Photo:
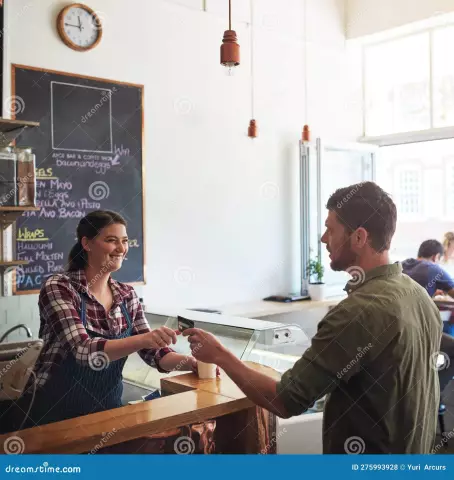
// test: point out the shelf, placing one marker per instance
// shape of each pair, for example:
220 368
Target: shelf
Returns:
18 209
7 125
8 215
13 263
11 129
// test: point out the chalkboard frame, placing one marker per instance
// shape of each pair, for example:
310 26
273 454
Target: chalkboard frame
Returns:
141 87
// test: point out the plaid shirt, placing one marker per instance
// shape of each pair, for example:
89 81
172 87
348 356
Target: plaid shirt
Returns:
64 333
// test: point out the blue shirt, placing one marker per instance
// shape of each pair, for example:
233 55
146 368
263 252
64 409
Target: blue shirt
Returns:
428 274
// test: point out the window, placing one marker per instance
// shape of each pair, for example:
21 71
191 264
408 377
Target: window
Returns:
420 178
409 188
450 188
409 83
397 85
331 167
443 77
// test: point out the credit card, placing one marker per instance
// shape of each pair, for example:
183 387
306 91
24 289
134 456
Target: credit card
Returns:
184 323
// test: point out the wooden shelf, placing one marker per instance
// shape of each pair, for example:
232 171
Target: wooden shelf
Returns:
7 125
11 129
19 209
13 263
8 215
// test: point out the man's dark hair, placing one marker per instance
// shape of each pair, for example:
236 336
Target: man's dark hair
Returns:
430 248
368 206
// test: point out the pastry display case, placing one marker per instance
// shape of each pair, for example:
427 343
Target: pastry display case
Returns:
271 344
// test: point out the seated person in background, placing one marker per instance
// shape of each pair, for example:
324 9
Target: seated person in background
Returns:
448 248
426 270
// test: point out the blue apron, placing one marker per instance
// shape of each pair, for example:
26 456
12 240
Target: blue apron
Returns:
74 390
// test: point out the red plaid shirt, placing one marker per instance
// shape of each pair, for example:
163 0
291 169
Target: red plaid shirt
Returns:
64 333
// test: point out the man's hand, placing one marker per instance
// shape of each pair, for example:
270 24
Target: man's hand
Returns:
205 346
258 387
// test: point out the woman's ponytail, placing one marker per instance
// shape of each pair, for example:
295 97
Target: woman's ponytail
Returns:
77 258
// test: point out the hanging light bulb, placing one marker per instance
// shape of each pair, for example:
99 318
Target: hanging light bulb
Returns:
230 50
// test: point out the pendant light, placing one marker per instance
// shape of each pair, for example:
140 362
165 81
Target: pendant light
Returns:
306 134
230 50
252 129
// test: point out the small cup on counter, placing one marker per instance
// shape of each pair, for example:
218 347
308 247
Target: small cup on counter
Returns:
206 370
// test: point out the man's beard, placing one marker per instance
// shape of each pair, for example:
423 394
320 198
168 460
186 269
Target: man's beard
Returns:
345 259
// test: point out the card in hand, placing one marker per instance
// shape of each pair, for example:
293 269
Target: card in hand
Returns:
184 323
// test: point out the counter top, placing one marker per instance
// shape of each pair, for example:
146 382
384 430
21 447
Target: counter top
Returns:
260 308
192 400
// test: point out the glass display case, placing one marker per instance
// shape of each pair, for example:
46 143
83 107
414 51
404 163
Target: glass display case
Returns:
272 344
276 345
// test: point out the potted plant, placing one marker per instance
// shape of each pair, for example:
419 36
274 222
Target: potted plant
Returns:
315 271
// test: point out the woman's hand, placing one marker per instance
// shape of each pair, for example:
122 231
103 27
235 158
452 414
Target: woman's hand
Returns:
159 338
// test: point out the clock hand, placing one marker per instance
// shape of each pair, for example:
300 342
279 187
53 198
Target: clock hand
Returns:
80 25
69 25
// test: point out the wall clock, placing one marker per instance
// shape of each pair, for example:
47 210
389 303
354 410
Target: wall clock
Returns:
79 27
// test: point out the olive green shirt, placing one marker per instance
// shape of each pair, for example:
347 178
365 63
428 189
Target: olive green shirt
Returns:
374 354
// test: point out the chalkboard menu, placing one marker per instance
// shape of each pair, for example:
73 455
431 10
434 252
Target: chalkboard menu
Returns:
88 151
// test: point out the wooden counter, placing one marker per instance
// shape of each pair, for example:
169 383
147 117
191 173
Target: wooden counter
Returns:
190 400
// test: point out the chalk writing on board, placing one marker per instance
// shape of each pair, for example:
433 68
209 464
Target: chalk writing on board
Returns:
37 234
82 166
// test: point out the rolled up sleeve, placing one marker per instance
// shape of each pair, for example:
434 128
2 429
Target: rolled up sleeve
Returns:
337 352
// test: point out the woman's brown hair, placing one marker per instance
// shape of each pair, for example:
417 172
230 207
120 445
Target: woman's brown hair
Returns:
89 227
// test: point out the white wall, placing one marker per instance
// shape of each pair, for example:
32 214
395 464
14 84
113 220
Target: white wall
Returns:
220 207
366 17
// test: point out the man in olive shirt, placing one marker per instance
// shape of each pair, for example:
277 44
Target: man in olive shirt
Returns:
374 354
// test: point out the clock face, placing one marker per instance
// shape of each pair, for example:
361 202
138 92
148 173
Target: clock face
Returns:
80 27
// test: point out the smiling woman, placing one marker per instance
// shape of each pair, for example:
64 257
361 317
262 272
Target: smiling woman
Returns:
90 323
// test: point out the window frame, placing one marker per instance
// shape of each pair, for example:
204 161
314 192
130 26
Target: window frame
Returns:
432 133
